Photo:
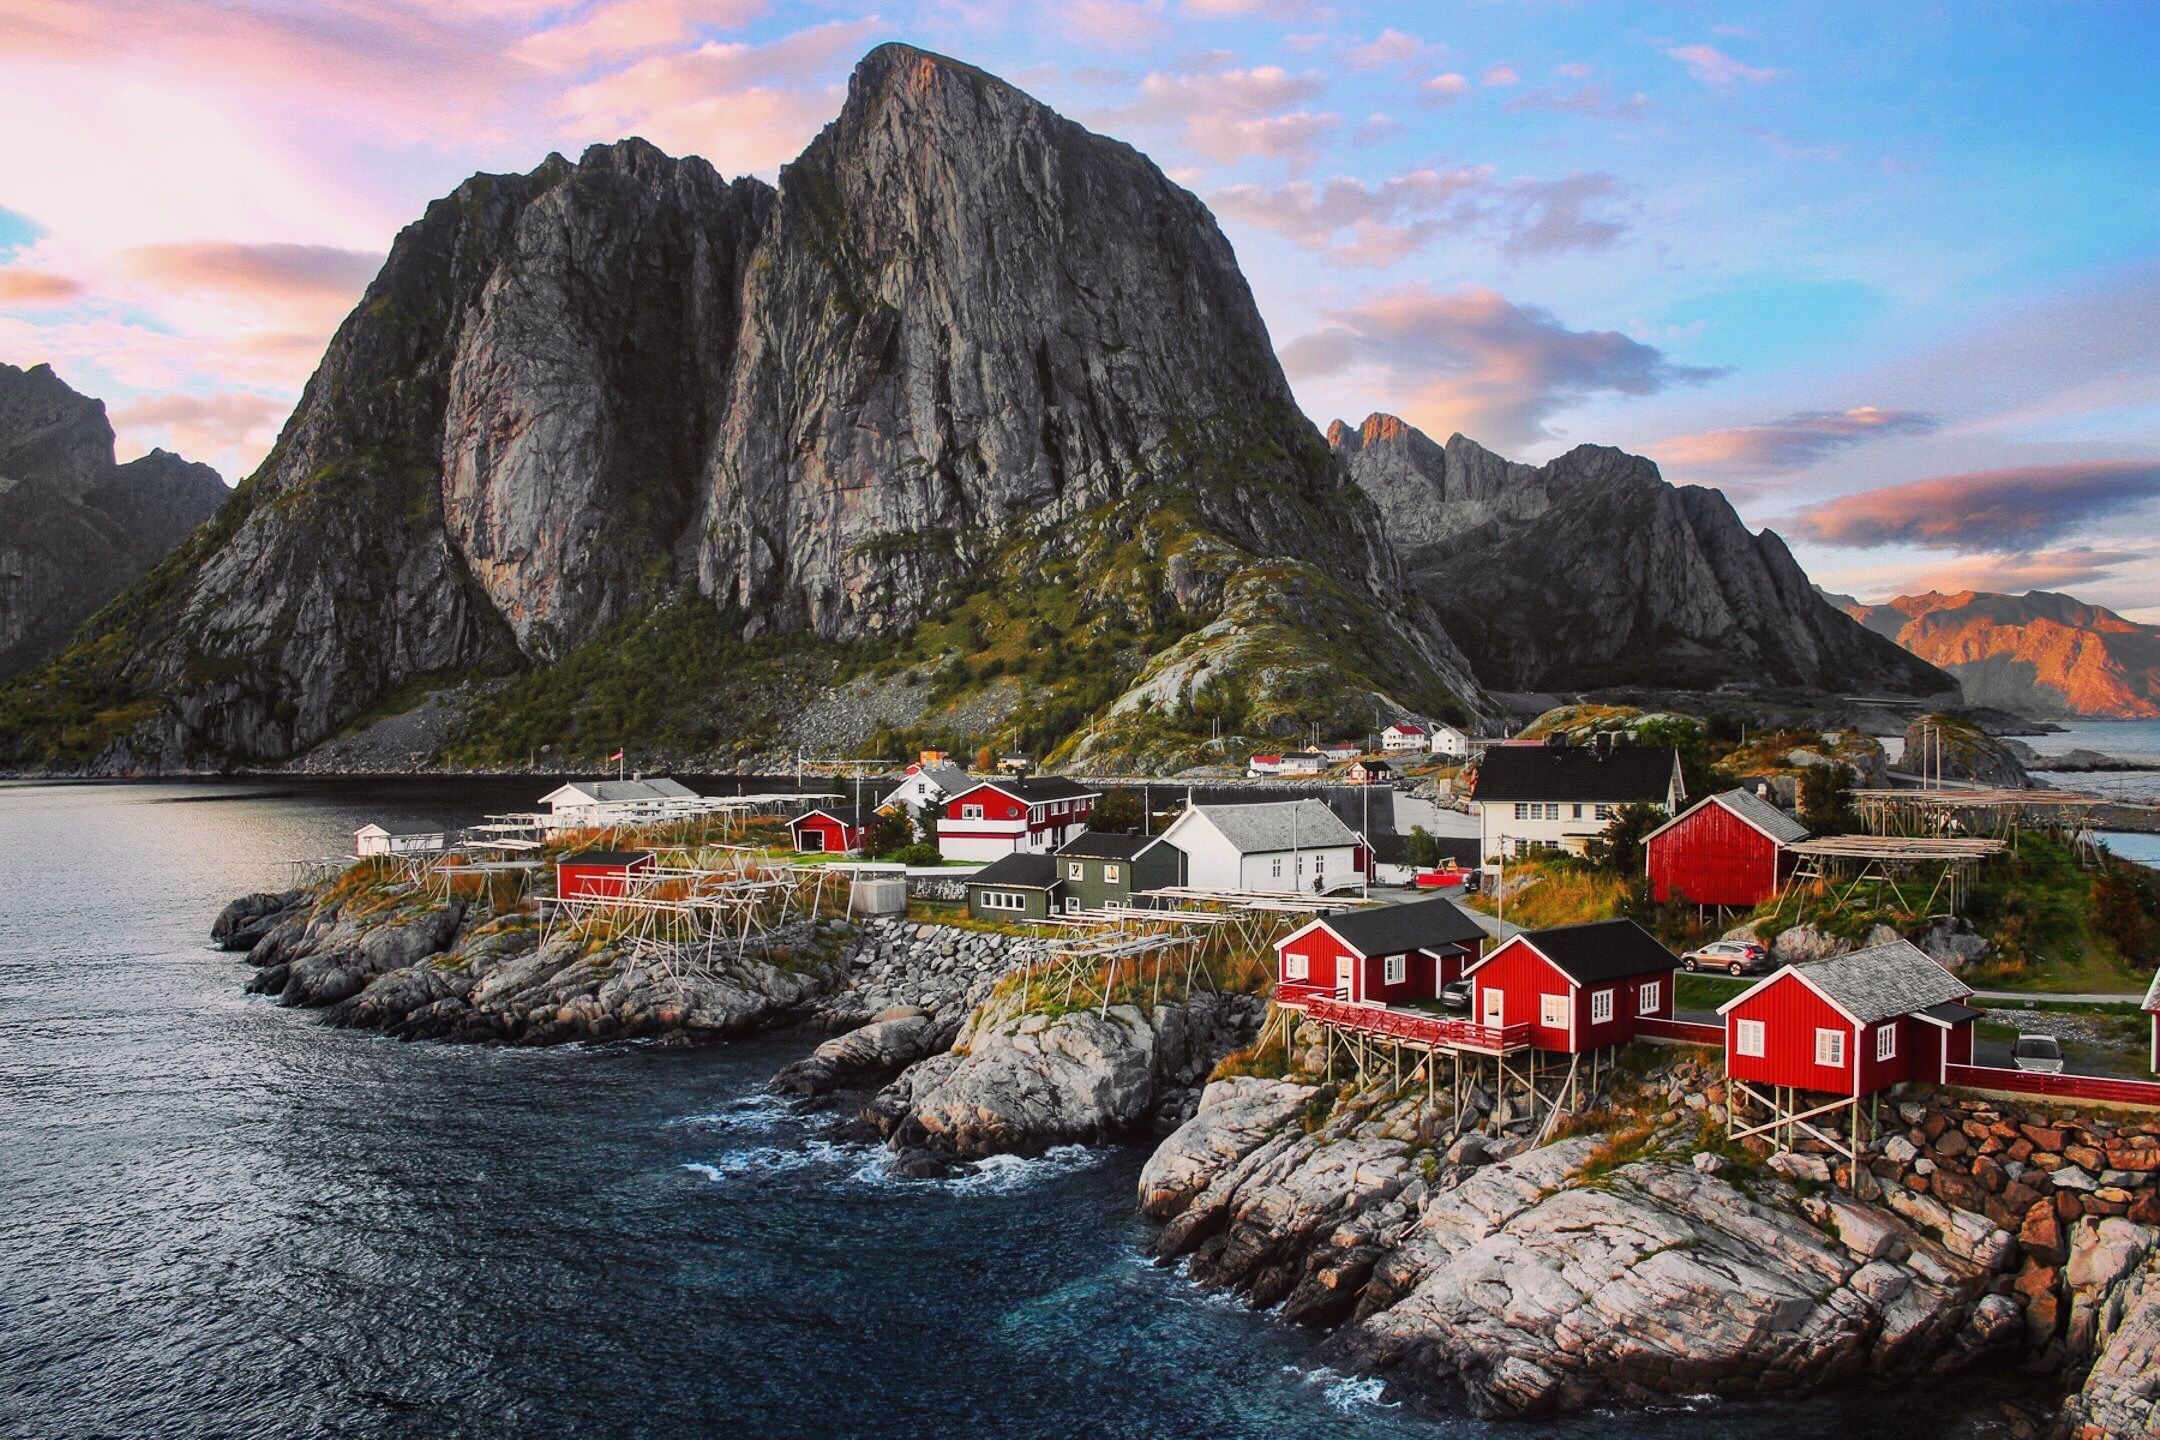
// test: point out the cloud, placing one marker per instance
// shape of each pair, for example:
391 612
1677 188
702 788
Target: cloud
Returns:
1793 443
2010 511
629 27
744 107
1228 114
1384 223
2037 570
1444 89
1389 47
1112 22
19 286
198 426
1376 126
276 271
1474 361
1594 101
1715 68
1499 77
1573 70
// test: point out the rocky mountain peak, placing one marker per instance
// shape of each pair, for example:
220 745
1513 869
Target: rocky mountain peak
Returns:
2040 654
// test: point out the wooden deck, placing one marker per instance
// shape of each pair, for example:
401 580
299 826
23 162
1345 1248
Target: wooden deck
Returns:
1412 1027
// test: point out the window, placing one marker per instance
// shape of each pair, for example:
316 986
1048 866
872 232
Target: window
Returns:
1601 812
1647 996
1830 1047
1294 966
1577 813
971 812
1600 1006
1319 864
1886 1043
1275 868
1748 1038
1552 1010
1074 870
1110 874
1301 867
1397 968
1522 811
1072 906
1002 900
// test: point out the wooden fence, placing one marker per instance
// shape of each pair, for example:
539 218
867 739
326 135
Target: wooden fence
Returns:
1691 1032
2065 1087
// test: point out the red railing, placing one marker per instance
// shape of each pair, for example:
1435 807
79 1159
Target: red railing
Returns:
1295 993
1412 1025
2075 1087
1692 1032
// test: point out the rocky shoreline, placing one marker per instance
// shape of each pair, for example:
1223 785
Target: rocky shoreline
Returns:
1639 1261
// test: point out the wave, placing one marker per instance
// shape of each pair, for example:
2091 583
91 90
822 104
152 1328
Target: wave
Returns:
991 1175
1346 1393
764 1160
761 1112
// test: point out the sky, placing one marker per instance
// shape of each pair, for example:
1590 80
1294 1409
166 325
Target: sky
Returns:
1886 275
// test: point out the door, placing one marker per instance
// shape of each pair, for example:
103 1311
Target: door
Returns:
1495 1002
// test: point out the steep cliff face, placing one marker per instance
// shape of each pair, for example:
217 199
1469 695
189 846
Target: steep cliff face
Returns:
77 526
1591 571
958 339
2039 653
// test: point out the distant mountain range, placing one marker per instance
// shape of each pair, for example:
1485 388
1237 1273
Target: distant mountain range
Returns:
76 528
2039 654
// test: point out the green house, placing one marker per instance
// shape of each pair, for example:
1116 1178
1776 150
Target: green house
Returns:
1098 869
1014 888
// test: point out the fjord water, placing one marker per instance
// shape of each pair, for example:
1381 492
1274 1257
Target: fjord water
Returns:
219 1218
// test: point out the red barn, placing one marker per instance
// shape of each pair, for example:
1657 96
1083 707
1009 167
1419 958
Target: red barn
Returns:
1850 1025
1727 849
831 830
1388 955
1578 987
600 874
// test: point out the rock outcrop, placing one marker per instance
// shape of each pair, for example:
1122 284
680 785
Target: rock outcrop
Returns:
2038 654
1947 748
1592 571
79 526
961 328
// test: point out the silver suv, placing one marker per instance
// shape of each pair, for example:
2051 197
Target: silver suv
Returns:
1734 957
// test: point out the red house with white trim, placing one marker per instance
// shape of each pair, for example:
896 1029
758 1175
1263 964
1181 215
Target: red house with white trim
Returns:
1851 1025
1387 955
1726 849
830 830
2152 1013
600 874
1578 987
995 818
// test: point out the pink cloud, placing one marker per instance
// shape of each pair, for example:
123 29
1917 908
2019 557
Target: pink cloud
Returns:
1445 89
1396 217
2010 511
1792 443
1471 360
629 27
1715 68
1229 114
1499 77
273 270
1592 100
2037 570
230 422
1389 47
1573 70
36 287
1112 22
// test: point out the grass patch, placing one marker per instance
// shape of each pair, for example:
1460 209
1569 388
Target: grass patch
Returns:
1557 890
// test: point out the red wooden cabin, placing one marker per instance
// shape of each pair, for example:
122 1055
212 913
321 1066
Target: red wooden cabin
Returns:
2152 1013
1388 955
995 818
600 874
1727 849
1851 1025
1578 987
834 830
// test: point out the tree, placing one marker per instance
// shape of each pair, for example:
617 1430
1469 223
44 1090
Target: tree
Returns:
883 834
984 760
2122 910
1118 811
1619 848
1422 851
1826 805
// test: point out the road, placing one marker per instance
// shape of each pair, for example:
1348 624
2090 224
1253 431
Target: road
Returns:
2067 997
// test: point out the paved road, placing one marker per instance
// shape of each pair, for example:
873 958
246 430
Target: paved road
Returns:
2072 997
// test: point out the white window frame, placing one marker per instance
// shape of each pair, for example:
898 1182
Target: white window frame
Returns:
1072 904
1319 864
1295 966
1886 1043
1522 811
1074 870
1553 1011
1395 969
1830 1047
1275 868
1003 900
1601 1006
1110 874
1647 996
1749 1038
971 812
1601 812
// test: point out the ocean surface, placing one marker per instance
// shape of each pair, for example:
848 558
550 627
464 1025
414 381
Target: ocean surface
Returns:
218 1218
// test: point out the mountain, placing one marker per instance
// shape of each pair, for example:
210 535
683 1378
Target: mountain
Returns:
965 354
79 527
2038 654
1591 571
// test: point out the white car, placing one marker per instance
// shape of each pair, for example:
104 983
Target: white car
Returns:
2037 1053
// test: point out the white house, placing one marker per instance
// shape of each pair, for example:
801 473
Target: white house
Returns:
1337 751
928 787
1268 763
399 837
1559 797
1448 742
1303 762
1289 846
1403 735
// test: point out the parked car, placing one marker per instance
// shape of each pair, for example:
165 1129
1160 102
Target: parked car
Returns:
1734 957
2037 1053
1456 994
1473 882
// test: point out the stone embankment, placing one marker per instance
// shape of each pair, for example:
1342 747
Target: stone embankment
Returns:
1647 1258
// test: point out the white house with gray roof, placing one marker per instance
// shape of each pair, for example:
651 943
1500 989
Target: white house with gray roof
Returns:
1290 846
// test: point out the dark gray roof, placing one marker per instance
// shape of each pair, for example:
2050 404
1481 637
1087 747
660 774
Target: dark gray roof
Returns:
1019 870
1602 950
1763 815
1883 980
1106 845
1952 1013
606 857
1038 788
1394 929
1622 775
1279 825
